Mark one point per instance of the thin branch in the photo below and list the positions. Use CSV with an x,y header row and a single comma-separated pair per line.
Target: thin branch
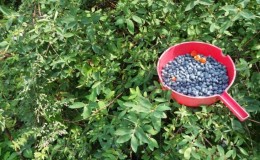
x,y
5,56
95,112
34,14
203,140
9,136
131,154
257,67
39,10
207,140
253,120
48,47
74,122
111,102
250,40
251,142
179,130
112,4
53,49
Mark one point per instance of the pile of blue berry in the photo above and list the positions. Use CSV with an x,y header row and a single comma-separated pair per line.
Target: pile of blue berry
x,y
188,75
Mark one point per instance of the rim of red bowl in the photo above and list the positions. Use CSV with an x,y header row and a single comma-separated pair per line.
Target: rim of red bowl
x,y
199,97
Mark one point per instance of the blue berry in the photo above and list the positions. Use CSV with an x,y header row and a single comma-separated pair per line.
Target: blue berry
x,y
194,78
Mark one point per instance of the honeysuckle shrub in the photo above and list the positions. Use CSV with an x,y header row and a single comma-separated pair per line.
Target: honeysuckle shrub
x,y
78,80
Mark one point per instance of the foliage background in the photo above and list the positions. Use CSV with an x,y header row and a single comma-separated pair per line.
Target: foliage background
x,y
78,80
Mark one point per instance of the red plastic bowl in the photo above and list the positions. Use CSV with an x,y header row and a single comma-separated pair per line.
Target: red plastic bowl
x,y
206,50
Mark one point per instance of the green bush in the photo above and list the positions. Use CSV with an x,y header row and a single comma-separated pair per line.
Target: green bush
x,y
78,80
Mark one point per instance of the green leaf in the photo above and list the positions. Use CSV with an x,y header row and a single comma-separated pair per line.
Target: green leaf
x,y
198,144
229,153
129,104
28,153
244,3
134,143
92,105
152,143
101,104
212,27
141,135
122,114
132,117
227,33
247,14
225,26
137,19
195,155
191,30
68,19
191,5
67,35
243,151
187,153
162,107
119,21
86,112
150,129
96,48
229,8
3,44
13,156
144,102
124,138
137,108
160,100
77,105
130,26
205,2
234,154
183,142
56,15
96,84
123,131
159,114
256,47
156,123
5,11
258,55
237,126
220,150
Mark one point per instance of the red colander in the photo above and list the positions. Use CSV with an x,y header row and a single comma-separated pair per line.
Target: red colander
x,y
206,50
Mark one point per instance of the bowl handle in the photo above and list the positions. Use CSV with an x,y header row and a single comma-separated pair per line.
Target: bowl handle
x,y
233,106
